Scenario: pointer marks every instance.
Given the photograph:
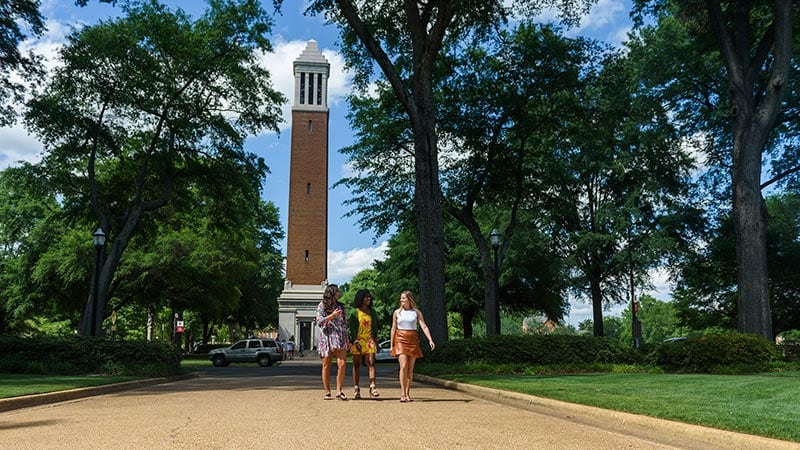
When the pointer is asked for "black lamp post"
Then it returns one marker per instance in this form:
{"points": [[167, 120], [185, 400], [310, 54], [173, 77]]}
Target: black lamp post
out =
{"points": [[99, 242], [494, 239]]}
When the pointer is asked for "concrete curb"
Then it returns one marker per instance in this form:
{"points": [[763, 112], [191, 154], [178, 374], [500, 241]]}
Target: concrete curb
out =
{"points": [[26, 401], [660, 431]]}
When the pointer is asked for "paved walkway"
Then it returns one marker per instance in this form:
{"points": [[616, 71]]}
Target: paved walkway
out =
{"points": [[281, 407]]}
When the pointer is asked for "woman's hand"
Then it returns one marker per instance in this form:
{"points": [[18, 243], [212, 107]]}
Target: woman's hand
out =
{"points": [[433, 346]]}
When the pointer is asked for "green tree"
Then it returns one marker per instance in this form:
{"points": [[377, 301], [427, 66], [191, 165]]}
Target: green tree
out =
{"points": [[659, 321], [705, 295], [43, 263], [618, 188], [18, 18], [405, 39], [501, 108], [754, 41], [504, 109], [182, 260], [149, 105]]}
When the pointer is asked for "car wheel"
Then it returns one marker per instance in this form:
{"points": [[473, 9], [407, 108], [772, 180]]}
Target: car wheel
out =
{"points": [[264, 360], [219, 361]]}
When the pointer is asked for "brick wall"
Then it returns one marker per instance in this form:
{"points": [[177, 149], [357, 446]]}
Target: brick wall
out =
{"points": [[307, 234]]}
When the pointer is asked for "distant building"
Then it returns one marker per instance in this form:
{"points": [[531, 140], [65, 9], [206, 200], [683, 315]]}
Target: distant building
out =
{"points": [[538, 325], [307, 235]]}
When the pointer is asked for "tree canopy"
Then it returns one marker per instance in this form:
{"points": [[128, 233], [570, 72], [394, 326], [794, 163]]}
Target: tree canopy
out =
{"points": [[149, 106]]}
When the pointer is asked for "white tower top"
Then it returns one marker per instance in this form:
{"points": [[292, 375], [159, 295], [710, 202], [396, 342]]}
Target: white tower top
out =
{"points": [[311, 71]]}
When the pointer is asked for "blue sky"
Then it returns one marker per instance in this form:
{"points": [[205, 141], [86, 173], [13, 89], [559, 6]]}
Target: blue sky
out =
{"points": [[349, 249]]}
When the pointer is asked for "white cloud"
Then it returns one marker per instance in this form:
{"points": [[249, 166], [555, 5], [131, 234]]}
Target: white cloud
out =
{"points": [[16, 144], [603, 14], [343, 265], [607, 20]]}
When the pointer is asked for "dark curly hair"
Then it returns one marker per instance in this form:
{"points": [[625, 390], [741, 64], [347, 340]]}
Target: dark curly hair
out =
{"points": [[361, 296]]}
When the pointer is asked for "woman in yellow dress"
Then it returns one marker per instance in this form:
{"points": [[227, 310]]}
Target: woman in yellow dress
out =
{"points": [[362, 329]]}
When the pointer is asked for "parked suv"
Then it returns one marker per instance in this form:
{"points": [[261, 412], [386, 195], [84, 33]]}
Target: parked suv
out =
{"points": [[263, 351]]}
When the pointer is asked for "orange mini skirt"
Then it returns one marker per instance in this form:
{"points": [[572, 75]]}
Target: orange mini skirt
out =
{"points": [[406, 342]]}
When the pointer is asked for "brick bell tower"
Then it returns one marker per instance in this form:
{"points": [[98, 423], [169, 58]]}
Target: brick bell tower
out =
{"points": [[307, 235]]}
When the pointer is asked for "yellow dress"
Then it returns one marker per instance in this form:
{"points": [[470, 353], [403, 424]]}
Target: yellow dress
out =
{"points": [[364, 337]]}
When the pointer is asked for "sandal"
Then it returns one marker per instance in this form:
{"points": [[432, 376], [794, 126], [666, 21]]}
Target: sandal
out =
{"points": [[341, 396], [357, 395], [403, 400], [327, 396], [373, 391]]}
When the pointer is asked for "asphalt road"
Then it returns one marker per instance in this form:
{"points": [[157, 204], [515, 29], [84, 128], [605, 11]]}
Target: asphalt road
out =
{"points": [[281, 407]]}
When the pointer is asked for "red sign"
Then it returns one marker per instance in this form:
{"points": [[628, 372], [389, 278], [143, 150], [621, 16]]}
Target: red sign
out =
{"points": [[179, 329]]}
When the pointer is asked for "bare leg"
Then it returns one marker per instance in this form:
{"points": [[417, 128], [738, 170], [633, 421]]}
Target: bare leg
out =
{"points": [[356, 369], [403, 360], [326, 373], [370, 362], [341, 359], [410, 375]]}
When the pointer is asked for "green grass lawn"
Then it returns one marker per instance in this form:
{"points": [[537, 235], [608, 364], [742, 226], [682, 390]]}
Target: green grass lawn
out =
{"points": [[765, 404], [14, 385]]}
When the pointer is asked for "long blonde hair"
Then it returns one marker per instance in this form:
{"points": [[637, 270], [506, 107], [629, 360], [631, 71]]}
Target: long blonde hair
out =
{"points": [[411, 298]]}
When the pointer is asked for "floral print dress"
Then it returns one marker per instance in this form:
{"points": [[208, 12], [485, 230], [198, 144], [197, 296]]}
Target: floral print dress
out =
{"points": [[366, 344], [333, 333]]}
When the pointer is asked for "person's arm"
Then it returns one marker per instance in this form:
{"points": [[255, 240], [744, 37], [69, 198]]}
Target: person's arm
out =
{"points": [[323, 319], [374, 319], [394, 330], [352, 326], [425, 329]]}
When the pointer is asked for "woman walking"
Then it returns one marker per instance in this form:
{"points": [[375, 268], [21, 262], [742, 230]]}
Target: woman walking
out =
{"points": [[333, 339], [362, 329], [405, 340]]}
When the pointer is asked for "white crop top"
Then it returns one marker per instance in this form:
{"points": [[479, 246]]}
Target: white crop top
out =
{"points": [[407, 319]]}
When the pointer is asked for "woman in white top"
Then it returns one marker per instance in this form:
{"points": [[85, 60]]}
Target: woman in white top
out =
{"points": [[405, 340]]}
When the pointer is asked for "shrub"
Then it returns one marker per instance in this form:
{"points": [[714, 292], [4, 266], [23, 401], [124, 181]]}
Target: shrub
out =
{"points": [[790, 345], [75, 355], [717, 353], [532, 350]]}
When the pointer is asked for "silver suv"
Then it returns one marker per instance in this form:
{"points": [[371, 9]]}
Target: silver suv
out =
{"points": [[263, 351]]}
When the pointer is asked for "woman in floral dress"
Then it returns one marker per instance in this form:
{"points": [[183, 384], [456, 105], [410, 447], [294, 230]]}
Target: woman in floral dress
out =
{"points": [[333, 339]]}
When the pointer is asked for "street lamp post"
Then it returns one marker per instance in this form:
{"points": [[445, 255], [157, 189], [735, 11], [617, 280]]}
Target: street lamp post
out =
{"points": [[494, 239], [99, 242]]}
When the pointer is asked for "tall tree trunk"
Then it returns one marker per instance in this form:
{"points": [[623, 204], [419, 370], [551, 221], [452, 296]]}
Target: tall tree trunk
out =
{"points": [[108, 266], [430, 230], [750, 220], [756, 105], [466, 322], [597, 306], [149, 324]]}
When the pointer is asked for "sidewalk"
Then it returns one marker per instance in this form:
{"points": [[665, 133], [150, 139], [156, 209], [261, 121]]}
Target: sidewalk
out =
{"points": [[239, 407]]}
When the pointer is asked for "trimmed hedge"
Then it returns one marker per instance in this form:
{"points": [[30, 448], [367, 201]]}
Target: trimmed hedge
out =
{"points": [[75, 355], [717, 353], [790, 350], [551, 349]]}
